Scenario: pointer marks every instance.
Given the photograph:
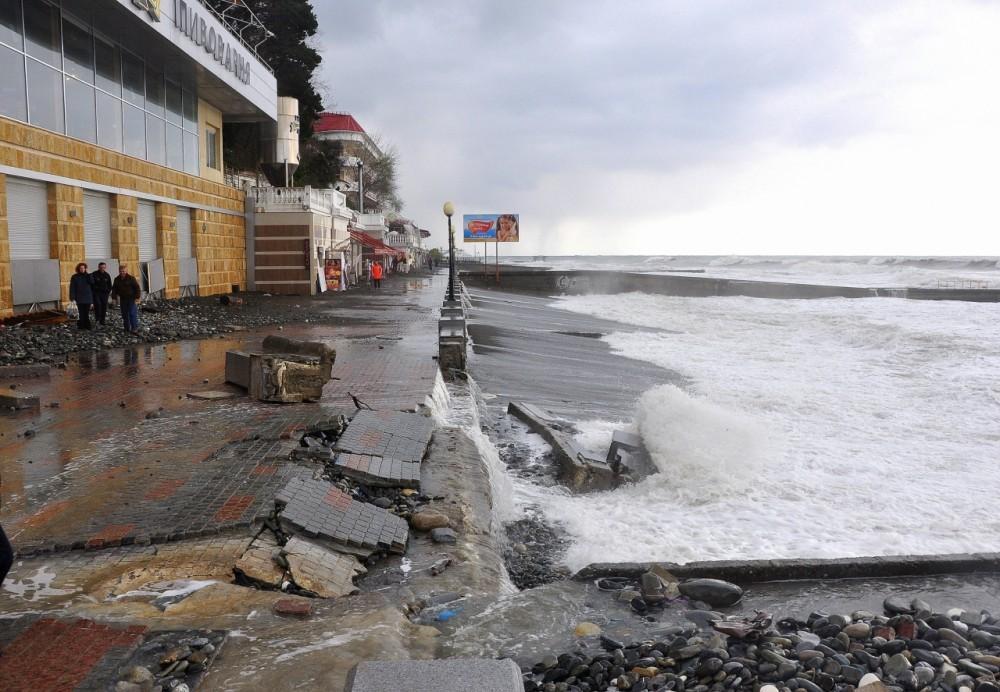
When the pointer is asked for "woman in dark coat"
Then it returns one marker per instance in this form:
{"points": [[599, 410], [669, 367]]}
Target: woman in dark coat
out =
{"points": [[81, 290]]}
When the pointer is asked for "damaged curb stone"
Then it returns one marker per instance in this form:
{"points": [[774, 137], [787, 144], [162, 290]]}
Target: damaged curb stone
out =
{"points": [[259, 562], [323, 572]]}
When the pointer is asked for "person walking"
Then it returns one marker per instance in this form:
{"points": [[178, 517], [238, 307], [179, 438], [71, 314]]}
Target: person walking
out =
{"points": [[125, 289], [102, 292], [377, 274], [81, 291]]}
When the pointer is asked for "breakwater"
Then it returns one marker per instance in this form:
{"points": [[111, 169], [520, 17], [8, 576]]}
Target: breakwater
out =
{"points": [[582, 282]]}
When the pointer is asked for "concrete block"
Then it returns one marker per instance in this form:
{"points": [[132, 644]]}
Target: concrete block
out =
{"points": [[238, 368], [19, 401], [443, 675], [287, 378]]}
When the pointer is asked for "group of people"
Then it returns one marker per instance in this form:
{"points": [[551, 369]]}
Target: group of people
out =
{"points": [[95, 290]]}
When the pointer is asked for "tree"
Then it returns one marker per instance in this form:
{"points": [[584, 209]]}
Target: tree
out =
{"points": [[380, 181], [320, 163]]}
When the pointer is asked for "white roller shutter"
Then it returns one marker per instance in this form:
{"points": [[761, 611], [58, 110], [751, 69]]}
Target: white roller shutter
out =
{"points": [[97, 225], [147, 231], [28, 219], [183, 233]]}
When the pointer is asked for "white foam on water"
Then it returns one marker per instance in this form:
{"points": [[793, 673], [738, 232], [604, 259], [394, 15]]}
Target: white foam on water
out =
{"points": [[35, 586], [813, 428]]}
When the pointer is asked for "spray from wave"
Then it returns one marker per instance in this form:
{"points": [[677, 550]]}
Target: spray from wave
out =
{"points": [[705, 449]]}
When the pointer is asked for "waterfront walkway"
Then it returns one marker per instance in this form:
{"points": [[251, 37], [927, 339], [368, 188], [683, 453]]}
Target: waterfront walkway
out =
{"points": [[129, 480]]}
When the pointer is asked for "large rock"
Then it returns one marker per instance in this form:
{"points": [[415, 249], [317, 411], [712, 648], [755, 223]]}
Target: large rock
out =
{"points": [[715, 592], [320, 570], [427, 519]]}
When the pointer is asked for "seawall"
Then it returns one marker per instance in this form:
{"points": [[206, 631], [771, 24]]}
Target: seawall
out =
{"points": [[580, 282]]}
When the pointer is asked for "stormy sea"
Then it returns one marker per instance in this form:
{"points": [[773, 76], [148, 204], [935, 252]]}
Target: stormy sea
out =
{"points": [[832, 427]]}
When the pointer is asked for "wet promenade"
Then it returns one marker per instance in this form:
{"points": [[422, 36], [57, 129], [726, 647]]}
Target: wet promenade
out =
{"points": [[122, 477]]}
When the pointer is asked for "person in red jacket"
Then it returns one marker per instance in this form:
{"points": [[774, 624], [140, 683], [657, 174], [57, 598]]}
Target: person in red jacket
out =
{"points": [[377, 274]]}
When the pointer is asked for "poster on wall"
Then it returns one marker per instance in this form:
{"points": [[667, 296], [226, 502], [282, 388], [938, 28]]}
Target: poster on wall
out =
{"points": [[334, 273], [489, 228]]}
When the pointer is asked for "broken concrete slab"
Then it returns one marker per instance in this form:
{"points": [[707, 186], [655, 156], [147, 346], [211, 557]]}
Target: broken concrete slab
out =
{"points": [[319, 510], [19, 401], [259, 561], [316, 349], [390, 434], [278, 378], [287, 379], [576, 470], [379, 472], [442, 675], [317, 569], [212, 395]]}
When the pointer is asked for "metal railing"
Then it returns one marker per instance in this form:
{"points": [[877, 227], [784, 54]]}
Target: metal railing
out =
{"points": [[298, 199]]}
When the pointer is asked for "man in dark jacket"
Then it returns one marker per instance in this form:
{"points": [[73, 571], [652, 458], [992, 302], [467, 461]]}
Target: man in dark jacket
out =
{"points": [[125, 289], [81, 290], [102, 291]]}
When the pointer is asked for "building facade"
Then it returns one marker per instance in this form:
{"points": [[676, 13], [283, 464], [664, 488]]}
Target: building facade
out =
{"points": [[357, 147], [111, 115]]}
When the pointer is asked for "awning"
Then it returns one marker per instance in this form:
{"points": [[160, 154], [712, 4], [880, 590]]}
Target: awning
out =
{"points": [[377, 246]]}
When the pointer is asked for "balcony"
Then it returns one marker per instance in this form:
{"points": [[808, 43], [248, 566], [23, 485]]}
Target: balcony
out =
{"points": [[298, 199]]}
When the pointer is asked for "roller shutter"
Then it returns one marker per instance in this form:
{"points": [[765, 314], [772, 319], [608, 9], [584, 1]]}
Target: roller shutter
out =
{"points": [[147, 231], [97, 226], [183, 233], [27, 219]]}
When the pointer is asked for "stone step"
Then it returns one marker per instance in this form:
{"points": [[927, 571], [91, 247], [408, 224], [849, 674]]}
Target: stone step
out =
{"points": [[442, 675]]}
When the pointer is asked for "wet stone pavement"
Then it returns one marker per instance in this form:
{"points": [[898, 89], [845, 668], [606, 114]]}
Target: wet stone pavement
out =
{"points": [[121, 468]]}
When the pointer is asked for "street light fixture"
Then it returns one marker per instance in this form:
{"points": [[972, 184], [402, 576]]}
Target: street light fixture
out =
{"points": [[449, 210]]}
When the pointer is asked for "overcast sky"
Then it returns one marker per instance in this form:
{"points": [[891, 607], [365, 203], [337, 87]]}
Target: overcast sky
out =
{"points": [[657, 127]]}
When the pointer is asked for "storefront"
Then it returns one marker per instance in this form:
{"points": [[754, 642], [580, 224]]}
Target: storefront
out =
{"points": [[111, 116]]}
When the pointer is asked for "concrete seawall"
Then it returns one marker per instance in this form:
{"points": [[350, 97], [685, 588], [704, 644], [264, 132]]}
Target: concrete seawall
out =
{"points": [[753, 571], [579, 282]]}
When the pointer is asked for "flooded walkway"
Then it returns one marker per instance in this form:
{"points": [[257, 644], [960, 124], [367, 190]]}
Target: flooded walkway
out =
{"points": [[132, 482]]}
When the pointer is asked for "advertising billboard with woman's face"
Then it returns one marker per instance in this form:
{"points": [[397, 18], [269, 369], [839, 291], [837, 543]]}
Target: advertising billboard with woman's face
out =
{"points": [[489, 228]]}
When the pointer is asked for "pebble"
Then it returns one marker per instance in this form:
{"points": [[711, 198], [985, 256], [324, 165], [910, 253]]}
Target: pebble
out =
{"points": [[427, 519], [826, 653], [586, 629], [444, 536], [714, 592]]}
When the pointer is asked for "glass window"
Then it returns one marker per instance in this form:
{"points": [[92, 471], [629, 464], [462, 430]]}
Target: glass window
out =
{"points": [[10, 23], [109, 122], [78, 46], [133, 77], [81, 112], [109, 67], [190, 111], [12, 94], [41, 28], [135, 132], [175, 147], [155, 140], [174, 107], [154, 91], [191, 163], [212, 147], [45, 98]]}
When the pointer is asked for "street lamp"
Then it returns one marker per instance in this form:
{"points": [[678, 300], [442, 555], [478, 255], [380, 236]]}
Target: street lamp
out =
{"points": [[449, 210], [361, 187]]}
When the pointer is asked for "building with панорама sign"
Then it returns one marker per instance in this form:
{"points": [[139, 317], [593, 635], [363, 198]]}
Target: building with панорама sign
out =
{"points": [[111, 115]]}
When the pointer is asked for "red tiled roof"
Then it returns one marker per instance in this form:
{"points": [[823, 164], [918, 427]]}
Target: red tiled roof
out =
{"points": [[337, 122]]}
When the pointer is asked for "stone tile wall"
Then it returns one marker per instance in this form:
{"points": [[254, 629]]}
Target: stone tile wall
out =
{"points": [[218, 238]]}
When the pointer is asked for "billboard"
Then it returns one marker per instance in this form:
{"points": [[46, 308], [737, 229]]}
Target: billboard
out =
{"points": [[489, 228]]}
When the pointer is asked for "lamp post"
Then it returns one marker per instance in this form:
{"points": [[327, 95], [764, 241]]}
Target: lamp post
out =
{"points": [[449, 209]]}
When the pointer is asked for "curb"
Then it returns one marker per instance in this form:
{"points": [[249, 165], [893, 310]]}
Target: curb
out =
{"points": [[754, 571]]}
